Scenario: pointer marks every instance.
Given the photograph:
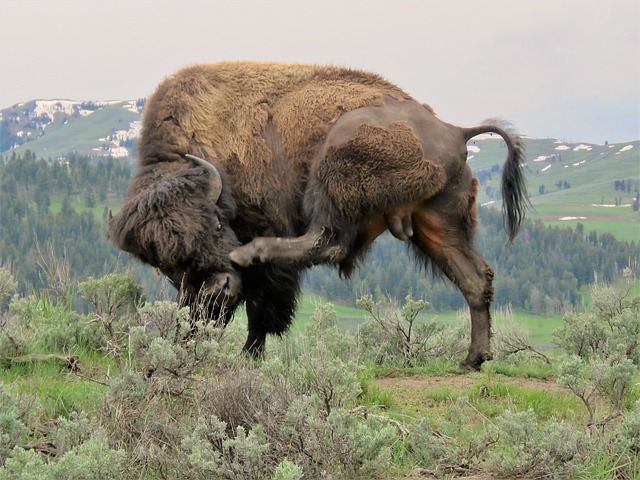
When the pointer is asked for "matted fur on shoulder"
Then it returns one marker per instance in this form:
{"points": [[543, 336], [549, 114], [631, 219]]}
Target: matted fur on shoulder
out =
{"points": [[227, 106]]}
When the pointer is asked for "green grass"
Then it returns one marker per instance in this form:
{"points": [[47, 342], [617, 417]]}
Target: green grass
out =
{"points": [[488, 394], [58, 391], [78, 204], [591, 182], [348, 317], [80, 133]]}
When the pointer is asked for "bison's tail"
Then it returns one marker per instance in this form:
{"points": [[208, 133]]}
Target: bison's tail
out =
{"points": [[515, 199]]}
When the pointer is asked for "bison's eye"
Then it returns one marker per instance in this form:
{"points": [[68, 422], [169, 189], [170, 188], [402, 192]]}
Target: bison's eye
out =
{"points": [[219, 227]]}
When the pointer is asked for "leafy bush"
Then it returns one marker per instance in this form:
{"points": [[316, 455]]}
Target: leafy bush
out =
{"points": [[8, 284], [456, 446], [115, 298], [551, 450], [611, 328], [14, 409], [211, 452], [287, 470], [91, 460], [43, 325], [603, 353], [322, 363], [398, 335]]}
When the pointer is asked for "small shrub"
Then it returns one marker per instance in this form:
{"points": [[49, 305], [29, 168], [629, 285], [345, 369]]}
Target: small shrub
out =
{"points": [[25, 465], [212, 453], [629, 436], [455, 447], [8, 284], [43, 325], [399, 335], [115, 298], [91, 460], [322, 363], [13, 415], [610, 328], [525, 448], [287, 470]]}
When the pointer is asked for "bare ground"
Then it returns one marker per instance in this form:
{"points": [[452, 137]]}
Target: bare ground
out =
{"points": [[424, 382]]}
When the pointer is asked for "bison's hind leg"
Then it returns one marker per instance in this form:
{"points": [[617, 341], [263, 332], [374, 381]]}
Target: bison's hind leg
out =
{"points": [[444, 239]]}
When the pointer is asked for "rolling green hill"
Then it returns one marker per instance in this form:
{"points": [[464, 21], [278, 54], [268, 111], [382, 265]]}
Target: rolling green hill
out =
{"points": [[569, 183], [53, 128]]}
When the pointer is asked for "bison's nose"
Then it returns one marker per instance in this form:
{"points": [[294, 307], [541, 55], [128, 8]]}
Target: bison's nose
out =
{"points": [[227, 284]]}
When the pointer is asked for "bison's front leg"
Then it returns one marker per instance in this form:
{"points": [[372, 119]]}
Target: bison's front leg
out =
{"points": [[315, 247]]}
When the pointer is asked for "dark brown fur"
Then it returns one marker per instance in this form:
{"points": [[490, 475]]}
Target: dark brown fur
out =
{"points": [[315, 162]]}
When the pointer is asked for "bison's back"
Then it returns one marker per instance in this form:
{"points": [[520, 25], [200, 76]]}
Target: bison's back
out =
{"points": [[225, 110]]}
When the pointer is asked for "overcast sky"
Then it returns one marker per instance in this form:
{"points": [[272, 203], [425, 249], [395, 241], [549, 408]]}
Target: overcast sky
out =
{"points": [[555, 68]]}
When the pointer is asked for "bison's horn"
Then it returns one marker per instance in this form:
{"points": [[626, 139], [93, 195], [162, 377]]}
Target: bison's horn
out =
{"points": [[216, 180]]}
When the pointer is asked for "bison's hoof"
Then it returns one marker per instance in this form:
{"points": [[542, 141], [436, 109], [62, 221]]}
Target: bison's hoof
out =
{"points": [[473, 362], [242, 256]]}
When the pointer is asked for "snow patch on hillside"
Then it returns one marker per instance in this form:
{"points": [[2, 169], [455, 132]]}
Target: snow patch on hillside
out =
{"points": [[582, 146], [625, 149], [609, 205], [51, 107], [563, 147], [133, 131]]}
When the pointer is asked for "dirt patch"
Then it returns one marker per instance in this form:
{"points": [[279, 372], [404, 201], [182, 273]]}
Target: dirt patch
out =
{"points": [[462, 382]]}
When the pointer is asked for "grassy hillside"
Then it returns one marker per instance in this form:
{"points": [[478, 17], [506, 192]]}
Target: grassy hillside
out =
{"points": [[53, 129], [569, 183]]}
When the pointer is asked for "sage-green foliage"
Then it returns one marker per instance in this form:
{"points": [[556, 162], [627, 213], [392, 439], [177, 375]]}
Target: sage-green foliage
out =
{"points": [[8, 284], [403, 335], [91, 460], [47, 325], [611, 327], [602, 350], [14, 410], [554, 449], [454, 443], [322, 363], [600, 366], [81, 445], [287, 470], [115, 298], [213, 453], [184, 404]]}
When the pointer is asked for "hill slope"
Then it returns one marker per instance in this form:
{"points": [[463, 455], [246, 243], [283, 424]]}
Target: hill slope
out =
{"points": [[53, 128], [569, 183]]}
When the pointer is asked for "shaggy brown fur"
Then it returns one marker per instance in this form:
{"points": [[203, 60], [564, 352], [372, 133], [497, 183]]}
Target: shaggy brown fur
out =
{"points": [[315, 162], [227, 106], [387, 163]]}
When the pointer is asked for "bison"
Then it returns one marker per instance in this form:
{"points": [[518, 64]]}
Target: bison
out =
{"points": [[250, 173]]}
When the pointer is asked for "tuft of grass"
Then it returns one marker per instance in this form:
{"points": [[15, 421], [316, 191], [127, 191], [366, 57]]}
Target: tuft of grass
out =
{"points": [[607, 466], [535, 369], [377, 397], [495, 398]]}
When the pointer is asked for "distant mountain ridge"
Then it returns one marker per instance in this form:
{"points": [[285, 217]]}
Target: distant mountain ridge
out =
{"points": [[53, 128]]}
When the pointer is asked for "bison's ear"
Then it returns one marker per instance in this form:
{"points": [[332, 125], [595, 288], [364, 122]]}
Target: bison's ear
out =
{"points": [[216, 180]]}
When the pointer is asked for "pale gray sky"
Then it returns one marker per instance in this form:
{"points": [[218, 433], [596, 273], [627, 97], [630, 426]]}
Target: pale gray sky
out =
{"points": [[557, 68]]}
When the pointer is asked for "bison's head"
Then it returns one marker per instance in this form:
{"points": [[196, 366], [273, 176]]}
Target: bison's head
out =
{"points": [[176, 219]]}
